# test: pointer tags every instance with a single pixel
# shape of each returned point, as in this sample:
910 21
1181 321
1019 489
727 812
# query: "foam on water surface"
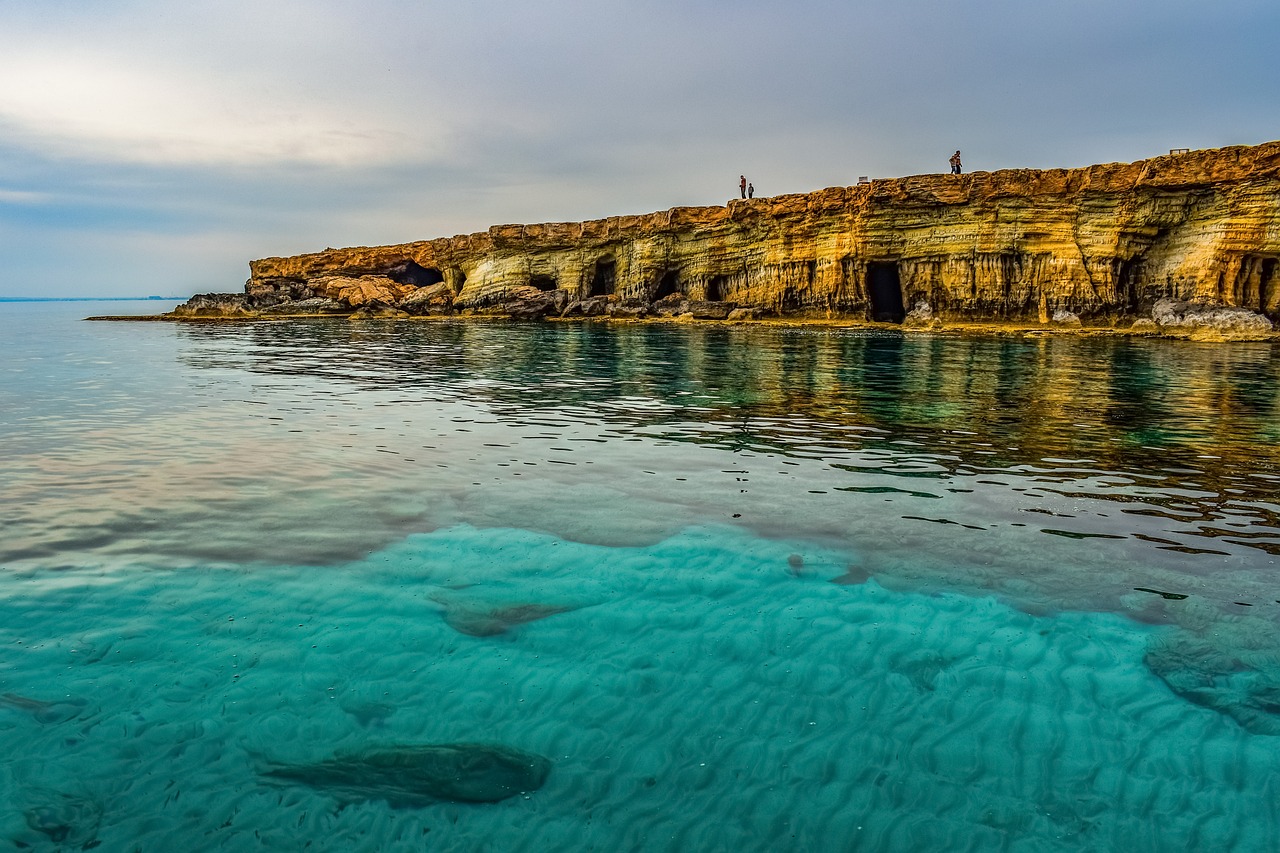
714 690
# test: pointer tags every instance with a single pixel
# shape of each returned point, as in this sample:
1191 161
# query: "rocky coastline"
1184 245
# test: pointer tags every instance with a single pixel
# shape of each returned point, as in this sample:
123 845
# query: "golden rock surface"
1103 242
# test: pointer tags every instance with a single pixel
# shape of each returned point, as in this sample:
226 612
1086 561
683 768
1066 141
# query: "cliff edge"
1184 239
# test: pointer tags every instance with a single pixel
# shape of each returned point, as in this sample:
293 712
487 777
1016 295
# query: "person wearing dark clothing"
955 163
751 191
742 185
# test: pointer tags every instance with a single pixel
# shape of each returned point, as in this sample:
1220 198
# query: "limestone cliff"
1103 243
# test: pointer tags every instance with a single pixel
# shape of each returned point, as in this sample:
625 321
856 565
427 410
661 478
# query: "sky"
154 148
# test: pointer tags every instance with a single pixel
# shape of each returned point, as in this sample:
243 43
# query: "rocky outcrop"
1102 245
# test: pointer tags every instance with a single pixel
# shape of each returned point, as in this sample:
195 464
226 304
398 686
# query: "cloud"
98 108
231 129
23 197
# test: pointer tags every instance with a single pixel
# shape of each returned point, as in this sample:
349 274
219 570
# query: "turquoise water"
746 589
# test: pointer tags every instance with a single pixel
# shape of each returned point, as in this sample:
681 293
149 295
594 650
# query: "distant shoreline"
93 298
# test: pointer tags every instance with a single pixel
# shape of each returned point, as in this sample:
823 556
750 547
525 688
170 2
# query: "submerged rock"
57 711
65 819
1247 691
478 620
420 775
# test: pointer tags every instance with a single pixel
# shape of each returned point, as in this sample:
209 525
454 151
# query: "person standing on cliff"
742 185
751 191
955 163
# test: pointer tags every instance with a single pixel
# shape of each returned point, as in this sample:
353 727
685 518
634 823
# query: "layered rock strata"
1190 238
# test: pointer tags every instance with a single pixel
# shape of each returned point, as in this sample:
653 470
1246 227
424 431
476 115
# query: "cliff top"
1233 164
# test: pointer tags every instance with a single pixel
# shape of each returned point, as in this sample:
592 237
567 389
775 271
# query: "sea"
743 587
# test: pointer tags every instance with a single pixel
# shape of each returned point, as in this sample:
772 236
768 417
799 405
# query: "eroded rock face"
1104 243
216 305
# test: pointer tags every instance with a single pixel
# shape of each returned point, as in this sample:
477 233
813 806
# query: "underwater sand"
747 590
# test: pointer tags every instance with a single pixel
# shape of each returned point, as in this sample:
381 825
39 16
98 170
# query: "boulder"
216 305
592 306
310 307
749 313
532 304
921 316
670 306
376 310
627 308
1063 317
436 299
1177 314
707 310
357 291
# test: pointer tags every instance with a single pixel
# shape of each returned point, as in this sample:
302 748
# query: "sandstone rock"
594 306
376 310
1062 317
357 291
435 299
708 310
532 304
671 306
1016 244
627 308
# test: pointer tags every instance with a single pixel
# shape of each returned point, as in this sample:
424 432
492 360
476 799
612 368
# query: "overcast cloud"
147 148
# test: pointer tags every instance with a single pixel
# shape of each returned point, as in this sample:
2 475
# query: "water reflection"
1178 431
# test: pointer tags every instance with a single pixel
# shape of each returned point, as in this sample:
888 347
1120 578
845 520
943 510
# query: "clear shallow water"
746 588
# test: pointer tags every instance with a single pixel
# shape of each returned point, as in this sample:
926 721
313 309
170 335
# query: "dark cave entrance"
605 278
884 289
1127 279
1266 286
411 272
668 285
716 287
543 282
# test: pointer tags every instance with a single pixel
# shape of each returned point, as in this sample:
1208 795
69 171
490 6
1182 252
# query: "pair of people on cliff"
955 163
747 190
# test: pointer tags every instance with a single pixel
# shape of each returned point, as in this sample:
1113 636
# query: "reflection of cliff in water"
1181 430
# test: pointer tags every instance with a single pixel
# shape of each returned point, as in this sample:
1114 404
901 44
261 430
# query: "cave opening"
884 288
543 282
1266 280
1127 279
605 277
668 285
716 287
412 272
